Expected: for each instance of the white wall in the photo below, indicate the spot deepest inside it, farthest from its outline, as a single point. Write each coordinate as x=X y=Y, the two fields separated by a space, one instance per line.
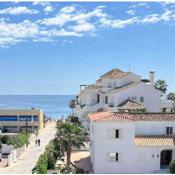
x=107 y=82
x=132 y=158
x=103 y=145
x=153 y=127
x=151 y=96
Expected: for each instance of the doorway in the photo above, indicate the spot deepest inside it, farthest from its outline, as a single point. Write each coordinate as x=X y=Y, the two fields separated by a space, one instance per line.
x=165 y=158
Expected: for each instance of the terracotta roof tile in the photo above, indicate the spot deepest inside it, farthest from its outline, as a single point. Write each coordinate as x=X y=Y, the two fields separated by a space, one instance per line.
x=154 y=141
x=110 y=117
x=124 y=116
x=129 y=104
x=114 y=73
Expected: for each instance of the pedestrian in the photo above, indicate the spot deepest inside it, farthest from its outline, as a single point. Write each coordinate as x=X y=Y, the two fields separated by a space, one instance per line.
x=36 y=142
x=39 y=141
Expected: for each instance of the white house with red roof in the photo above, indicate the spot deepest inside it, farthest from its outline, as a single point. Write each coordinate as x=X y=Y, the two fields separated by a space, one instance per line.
x=120 y=91
x=131 y=142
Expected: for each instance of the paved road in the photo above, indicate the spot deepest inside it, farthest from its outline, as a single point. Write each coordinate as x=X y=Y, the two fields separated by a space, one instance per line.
x=27 y=160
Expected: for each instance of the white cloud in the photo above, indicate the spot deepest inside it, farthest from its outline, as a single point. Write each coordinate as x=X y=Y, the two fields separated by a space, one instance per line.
x=68 y=9
x=131 y=12
x=40 y=3
x=59 y=20
x=70 y=22
x=66 y=15
x=83 y=27
x=43 y=39
x=11 y=33
x=141 y=4
x=118 y=23
x=168 y=15
x=48 y=9
x=63 y=32
x=18 y=10
x=153 y=18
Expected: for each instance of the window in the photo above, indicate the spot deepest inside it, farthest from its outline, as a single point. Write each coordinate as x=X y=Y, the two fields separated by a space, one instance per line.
x=117 y=133
x=169 y=130
x=141 y=99
x=35 y=118
x=25 y=117
x=134 y=98
x=113 y=157
x=98 y=98
x=8 y=118
x=163 y=109
x=106 y=99
x=113 y=133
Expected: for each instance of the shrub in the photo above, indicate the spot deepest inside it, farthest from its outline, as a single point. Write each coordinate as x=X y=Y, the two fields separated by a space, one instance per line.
x=41 y=165
x=16 y=140
x=80 y=171
x=48 y=159
x=172 y=167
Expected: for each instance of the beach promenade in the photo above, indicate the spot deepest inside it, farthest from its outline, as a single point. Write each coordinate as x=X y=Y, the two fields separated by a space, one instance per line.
x=27 y=160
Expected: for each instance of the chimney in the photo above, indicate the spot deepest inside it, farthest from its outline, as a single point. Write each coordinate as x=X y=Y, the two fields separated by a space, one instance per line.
x=151 y=78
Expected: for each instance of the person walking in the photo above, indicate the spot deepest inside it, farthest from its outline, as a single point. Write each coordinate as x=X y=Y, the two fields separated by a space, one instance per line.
x=39 y=142
x=36 y=142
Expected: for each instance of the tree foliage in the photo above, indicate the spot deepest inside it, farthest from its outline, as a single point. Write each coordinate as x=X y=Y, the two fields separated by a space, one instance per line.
x=70 y=135
x=161 y=85
x=172 y=167
x=17 y=141
x=171 y=96
x=72 y=105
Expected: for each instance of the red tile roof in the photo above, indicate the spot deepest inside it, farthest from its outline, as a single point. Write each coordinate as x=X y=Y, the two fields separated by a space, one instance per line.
x=123 y=117
x=154 y=141
x=129 y=104
x=109 y=116
x=114 y=73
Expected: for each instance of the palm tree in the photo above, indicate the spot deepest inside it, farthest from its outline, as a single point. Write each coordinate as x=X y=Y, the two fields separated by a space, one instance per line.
x=72 y=105
x=161 y=85
x=68 y=136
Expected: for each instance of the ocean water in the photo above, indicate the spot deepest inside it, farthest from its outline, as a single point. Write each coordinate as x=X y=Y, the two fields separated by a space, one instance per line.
x=55 y=106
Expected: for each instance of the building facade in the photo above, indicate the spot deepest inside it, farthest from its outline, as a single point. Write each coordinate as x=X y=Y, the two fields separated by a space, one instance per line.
x=120 y=91
x=131 y=142
x=16 y=120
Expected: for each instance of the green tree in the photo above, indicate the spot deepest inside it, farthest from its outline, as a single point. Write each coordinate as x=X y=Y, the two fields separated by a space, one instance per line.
x=72 y=105
x=68 y=136
x=161 y=85
x=171 y=96
x=172 y=167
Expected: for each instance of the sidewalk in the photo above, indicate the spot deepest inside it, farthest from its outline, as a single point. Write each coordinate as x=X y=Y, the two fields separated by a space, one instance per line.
x=27 y=160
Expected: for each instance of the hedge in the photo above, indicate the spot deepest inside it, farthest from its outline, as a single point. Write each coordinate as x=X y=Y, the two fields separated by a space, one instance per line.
x=17 y=141
x=48 y=159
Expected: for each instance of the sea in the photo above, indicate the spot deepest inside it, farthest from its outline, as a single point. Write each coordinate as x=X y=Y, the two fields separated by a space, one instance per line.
x=54 y=106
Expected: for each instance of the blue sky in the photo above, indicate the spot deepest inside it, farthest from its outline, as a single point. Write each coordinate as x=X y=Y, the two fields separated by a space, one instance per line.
x=52 y=48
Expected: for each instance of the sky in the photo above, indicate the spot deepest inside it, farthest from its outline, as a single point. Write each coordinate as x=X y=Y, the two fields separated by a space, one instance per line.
x=52 y=48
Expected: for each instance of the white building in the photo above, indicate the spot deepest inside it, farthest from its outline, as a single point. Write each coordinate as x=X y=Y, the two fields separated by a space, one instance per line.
x=120 y=91
x=131 y=142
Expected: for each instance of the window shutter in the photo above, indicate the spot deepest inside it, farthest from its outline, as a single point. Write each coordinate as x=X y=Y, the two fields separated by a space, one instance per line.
x=107 y=157
x=120 y=157
x=111 y=133
x=120 y=133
